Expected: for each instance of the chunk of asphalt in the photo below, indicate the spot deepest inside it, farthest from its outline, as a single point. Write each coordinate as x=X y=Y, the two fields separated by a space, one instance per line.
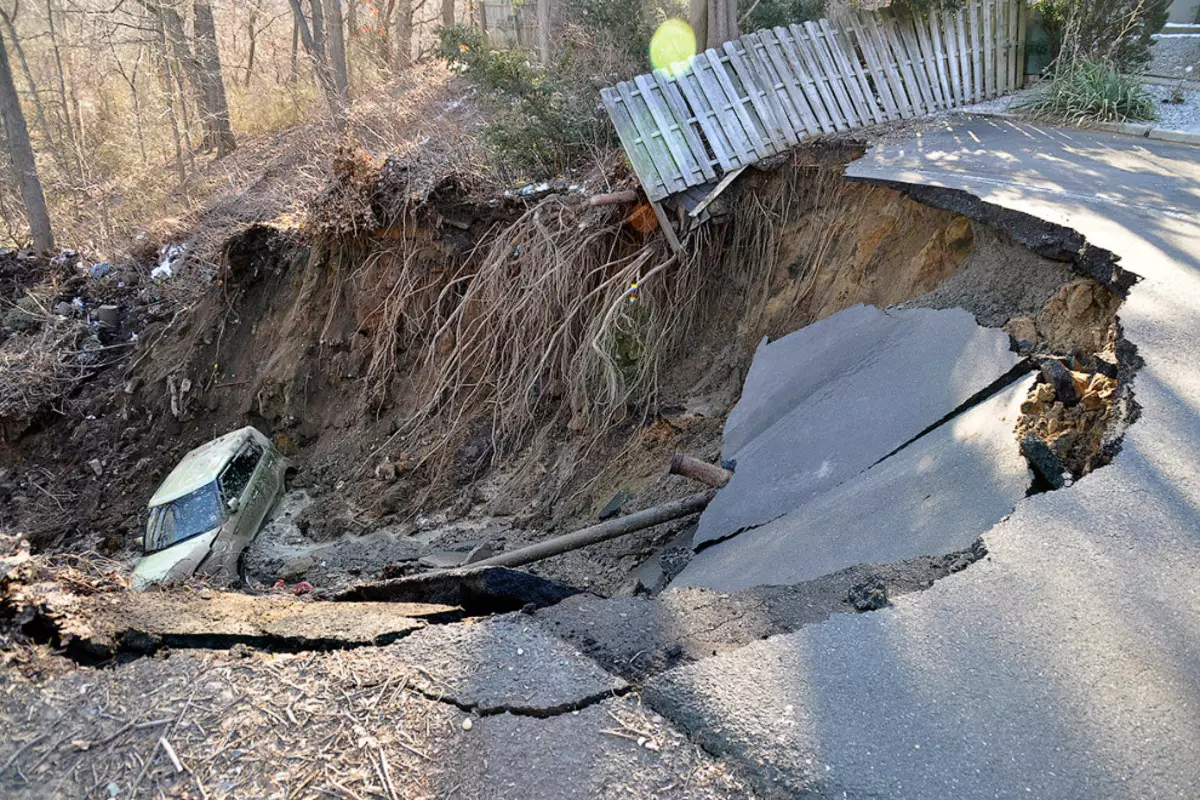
x=1047 y=467
x=937 y=495
x=584 y=755
x=102 y=624
x=614 y=506
x=477 y=590
x=500 y=664
x=827 y=401
x=1058 y=376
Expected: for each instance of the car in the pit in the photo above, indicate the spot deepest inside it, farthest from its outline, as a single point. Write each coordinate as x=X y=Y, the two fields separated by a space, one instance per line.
x=209 y=509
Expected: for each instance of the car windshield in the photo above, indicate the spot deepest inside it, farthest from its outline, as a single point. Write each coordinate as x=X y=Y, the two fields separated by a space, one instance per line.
x=184 y=518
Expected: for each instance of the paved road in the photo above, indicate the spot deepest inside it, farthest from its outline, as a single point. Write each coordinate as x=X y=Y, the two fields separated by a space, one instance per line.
x=1067 y=664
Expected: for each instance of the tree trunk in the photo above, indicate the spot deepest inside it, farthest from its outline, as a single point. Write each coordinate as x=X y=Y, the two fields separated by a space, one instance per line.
x=543 y=22
x=31 y=87
x=447 y=13
x=713 y=21
x=191 y=69
x=253 y=42
x=352 y=19
x=404 y=34
x=337 y=49
x=64 y=104
x=21 y=153
x=217 y=127
x=315 y=48
x=295 y=47
x=168 y=82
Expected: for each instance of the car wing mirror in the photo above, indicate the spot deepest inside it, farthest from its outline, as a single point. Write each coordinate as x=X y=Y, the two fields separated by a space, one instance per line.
x=234 y=504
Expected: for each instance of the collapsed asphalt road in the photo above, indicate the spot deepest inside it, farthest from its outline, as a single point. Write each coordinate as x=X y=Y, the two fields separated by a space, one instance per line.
x=1056 y=659
x=1067 y=663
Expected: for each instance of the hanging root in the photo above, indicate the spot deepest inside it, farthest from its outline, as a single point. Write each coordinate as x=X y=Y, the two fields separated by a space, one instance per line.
x=567 y=315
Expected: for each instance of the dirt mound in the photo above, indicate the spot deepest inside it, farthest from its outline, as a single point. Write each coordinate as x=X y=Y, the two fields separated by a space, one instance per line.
x=417 y=347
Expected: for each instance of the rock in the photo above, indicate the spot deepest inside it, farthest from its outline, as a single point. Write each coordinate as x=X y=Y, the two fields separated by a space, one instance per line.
x=63 y=308
x=1058 y=376
x=959 y=235
x=1045 y=464
x=298 y=567
x=442 y=560
x=386 y=471
x=613 y=507
x=96 y=467
x=870 y=595
x=480 y=552
x=1023 y=330
x=1106 y=365
x=109 y=317
x=467 y=724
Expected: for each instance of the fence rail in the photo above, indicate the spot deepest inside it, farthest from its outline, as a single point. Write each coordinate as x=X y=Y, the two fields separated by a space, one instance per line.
x=762 y=94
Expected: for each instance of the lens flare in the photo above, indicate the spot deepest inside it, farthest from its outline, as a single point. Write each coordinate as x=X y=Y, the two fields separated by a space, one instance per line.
x=673 y=46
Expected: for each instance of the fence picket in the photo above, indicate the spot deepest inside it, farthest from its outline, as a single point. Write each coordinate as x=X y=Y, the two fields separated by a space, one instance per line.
x=764 y=93
x=791 y=82
x=875 y=70
x=764 y=87
x=947 y=26
x=849 y=78
x=759 y=59
x=728 y=155
x=639 y=155
x=908 y=82
x=799 y=41
x=679 y=111
x=964 y=63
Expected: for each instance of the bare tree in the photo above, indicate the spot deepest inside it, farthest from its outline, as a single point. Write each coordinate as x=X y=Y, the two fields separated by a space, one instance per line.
x=20 y=151
x=218 y=131
x=313 y=40
x=64 y=103
x=447 y=13
x=337 y=50
x=713 y=21
x=404 y=34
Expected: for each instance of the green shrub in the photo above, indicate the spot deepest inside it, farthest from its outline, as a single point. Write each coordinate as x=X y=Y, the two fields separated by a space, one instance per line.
x=1086 y=90
x=1118 y=31
x=758 y=14
x=926 y=7
x=547 y=114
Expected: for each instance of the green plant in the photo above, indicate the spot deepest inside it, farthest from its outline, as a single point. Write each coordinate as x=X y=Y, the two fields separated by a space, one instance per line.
x=1119 y=31
x=926 y=7
x=1085 y=90
x=547 y=114
x=757 y=14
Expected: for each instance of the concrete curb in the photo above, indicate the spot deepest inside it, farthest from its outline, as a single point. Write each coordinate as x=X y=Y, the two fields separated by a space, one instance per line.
x=1139 y=129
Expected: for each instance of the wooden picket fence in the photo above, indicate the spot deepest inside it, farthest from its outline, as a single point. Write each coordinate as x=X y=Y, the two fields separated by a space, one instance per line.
x=762 y=94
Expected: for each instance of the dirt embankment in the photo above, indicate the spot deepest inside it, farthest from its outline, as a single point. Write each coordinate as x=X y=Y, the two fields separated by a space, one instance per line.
x=340 y=341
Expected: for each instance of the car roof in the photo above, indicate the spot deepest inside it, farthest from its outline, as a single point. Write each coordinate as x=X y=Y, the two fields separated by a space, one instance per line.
x=202 y=465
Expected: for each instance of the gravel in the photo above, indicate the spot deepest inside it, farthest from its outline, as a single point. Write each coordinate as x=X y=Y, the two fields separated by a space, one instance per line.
x=1172 y=54
x=1183 y=116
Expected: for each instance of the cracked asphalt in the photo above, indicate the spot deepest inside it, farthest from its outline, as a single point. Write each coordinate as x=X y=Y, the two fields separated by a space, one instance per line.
x=1063 y=663
x=1066 y=664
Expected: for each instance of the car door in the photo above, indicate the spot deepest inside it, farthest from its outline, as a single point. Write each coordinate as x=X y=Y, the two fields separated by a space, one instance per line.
x=237 y=481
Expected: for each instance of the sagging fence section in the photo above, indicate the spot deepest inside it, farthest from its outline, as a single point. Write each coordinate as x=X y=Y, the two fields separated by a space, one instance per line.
x=762 y=94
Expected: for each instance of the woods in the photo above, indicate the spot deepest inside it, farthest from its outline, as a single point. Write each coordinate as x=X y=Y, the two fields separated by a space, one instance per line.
x=114 y=110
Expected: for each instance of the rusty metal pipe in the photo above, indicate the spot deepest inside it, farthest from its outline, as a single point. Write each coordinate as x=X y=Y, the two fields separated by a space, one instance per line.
x=599 y=533
x=697 y=470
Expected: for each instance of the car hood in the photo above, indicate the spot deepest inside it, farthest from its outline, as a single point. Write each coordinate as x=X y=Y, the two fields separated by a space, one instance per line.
x=177 y=562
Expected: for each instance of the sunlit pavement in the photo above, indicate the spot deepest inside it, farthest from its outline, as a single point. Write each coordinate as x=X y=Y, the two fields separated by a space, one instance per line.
x=1067 y=663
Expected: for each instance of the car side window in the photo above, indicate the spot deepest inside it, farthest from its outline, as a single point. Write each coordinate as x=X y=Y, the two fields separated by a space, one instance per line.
x=237 y=473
